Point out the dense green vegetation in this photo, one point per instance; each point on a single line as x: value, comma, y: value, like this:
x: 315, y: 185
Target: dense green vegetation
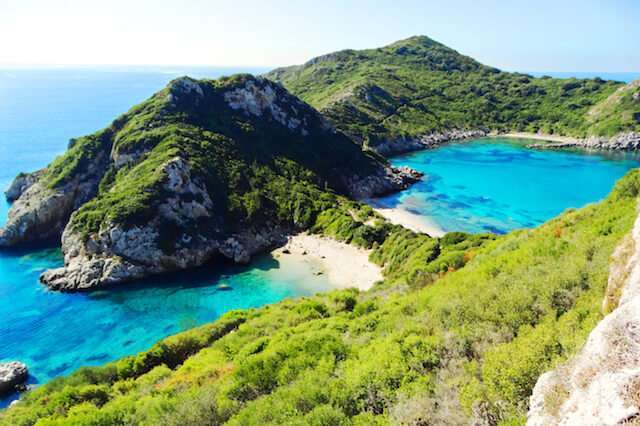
x: 256, y: 171
x: 417, y: 86
x: 461, y: 327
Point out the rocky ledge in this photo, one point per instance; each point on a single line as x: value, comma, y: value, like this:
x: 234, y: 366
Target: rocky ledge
x: 13, y: 375
x: 629, y: 141
x: 431, y: 140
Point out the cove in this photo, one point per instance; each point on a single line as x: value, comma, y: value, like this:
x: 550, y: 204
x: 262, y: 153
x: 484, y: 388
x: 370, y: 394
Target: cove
x: 56, y: 333
x: 498, y: 184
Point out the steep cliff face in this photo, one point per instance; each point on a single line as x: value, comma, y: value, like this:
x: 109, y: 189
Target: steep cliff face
x: 203, y: 168
x: 601, y: 385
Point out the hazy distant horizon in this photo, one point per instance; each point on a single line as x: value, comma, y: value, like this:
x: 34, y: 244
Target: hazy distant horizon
x: 200, y: 70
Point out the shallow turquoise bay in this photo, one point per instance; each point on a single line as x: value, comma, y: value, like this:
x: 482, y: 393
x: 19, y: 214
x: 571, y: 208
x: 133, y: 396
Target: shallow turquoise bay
x: 497, y: 184
x: 475, y: 186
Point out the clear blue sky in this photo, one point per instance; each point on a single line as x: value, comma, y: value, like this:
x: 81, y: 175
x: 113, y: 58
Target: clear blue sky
x: 533, y: 35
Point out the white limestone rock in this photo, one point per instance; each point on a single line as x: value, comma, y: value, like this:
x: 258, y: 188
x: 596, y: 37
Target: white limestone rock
x: 600, y: 385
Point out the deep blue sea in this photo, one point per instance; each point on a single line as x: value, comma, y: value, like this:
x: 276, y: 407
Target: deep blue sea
x: 497, y: 184
x: 473, y: 186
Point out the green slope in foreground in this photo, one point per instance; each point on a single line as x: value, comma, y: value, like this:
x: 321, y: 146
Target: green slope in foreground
x: 418, y: 86
x: 437, y: 342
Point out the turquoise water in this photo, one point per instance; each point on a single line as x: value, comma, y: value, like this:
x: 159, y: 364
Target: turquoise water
x: 497, y: 184
x: 56, y: 333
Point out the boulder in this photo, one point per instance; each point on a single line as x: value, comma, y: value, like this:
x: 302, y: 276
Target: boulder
x: 13, y: 375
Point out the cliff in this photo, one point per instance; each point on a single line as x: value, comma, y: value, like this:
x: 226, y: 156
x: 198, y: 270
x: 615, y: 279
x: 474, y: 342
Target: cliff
x: 203, y: 168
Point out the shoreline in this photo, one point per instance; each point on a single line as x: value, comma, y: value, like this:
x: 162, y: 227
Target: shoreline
x: 411, y: 221
x: 345, y: 265
x: 538, y: 137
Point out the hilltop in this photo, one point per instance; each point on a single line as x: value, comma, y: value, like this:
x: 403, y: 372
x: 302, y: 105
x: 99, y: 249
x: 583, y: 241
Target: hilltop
x: 397, y: 97
x: 203, y: 168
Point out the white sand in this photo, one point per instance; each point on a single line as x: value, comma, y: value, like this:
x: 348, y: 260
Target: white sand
x: 411, y: 221
x: 539, y: 137
x: 345, y: 265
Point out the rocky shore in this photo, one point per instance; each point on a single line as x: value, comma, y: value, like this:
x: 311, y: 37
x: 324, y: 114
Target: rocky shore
x: 629, y: 141
x: 13, y: 375
x: 431, y: 140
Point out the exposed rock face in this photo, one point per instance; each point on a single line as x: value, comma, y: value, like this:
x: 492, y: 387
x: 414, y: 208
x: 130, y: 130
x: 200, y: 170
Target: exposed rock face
x: 636, y: 96
x: 20, y: 184
x: 260, y: 96
x: 432, y: 140
x: 12, y: 377
x: 40, y: 213
x: 389, y: 180
x: 601, y: 385
x: 629, y: 141
x: 117, y: 255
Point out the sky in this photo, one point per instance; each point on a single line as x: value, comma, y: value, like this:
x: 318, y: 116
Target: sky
x: 532, y: 35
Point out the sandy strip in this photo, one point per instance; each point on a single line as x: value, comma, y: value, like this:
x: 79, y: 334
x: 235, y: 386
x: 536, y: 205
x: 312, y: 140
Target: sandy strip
x: 411, y: 221
x: 539, y: 137
x: 345, y: 265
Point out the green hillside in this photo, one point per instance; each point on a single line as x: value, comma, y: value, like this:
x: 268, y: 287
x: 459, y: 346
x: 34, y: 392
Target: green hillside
x: 417, y: 86
x: 437, y: 342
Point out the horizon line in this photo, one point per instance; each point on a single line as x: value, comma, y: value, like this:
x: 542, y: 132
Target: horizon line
x: 244, y: 66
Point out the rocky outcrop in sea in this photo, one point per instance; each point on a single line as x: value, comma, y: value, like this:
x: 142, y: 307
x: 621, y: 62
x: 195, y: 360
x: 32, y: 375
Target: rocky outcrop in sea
x: 20, y: 184
x: 432, y: 140
x: 13, y: 375
x: 39, y: 211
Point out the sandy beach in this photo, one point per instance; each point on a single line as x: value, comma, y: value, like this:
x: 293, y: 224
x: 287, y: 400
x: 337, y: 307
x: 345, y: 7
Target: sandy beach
x: 345, y: 265
x: 539, y: 137
x: 410, y: 221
